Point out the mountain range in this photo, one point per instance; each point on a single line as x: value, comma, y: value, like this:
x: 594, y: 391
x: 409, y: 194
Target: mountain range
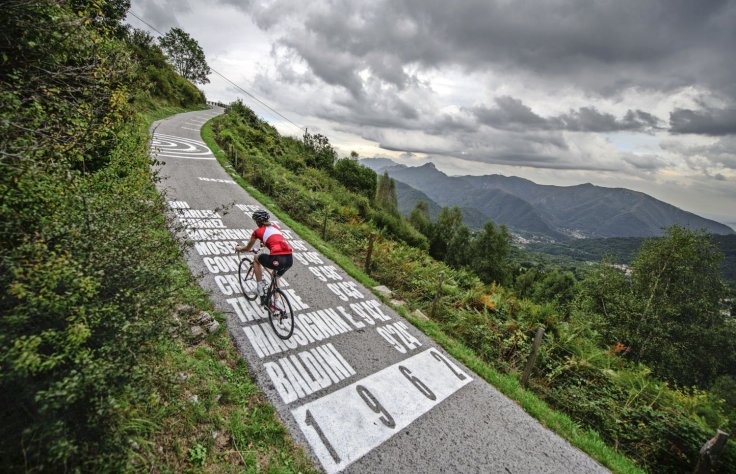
x: 537, y: 211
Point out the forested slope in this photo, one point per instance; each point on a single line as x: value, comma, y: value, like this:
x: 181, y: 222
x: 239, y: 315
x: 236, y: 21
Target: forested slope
x: 597, y: 362
x: 98, y: 372
x: 623, y: 250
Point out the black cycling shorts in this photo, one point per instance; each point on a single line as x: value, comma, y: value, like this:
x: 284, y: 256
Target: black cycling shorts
x: 279, y: 263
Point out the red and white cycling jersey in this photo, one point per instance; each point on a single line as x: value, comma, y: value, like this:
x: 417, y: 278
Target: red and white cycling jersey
x: 272, y: 238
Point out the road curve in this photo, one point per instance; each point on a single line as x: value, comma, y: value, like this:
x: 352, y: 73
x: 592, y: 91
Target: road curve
x: 357, y: 385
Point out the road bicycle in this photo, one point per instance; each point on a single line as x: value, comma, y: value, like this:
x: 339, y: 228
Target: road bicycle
x: 274, y: 300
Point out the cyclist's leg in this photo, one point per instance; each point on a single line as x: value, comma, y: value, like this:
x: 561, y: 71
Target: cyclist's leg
x: 257, y: 269
x: 265, y: 261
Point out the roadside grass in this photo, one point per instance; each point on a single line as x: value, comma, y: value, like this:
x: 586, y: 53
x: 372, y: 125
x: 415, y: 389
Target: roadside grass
x: 204, y: 412
x: 588, y: 441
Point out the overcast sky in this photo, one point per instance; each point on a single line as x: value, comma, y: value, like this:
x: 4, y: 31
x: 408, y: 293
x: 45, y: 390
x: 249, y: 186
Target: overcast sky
x: 620, y: 93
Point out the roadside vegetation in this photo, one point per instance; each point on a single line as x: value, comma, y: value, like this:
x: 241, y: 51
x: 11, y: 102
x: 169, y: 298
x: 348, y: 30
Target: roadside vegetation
x: 576, y: 255
x: 633, y: 368
x: 99, y: 368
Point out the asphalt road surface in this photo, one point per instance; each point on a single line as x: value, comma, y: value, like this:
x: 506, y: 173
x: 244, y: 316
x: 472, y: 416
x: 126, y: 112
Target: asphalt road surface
x: 357, y: 385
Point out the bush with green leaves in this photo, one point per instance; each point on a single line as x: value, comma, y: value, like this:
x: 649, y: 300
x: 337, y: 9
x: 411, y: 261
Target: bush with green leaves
x: 355, y: 177
x: 668, y: 312
x: 84, y: 249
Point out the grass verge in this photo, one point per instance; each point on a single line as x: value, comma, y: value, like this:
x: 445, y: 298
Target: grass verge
x: 588, y: 441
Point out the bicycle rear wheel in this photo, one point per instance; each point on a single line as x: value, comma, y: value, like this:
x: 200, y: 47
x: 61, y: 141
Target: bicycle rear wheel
x: 280, y: 314
x: 247, y: 279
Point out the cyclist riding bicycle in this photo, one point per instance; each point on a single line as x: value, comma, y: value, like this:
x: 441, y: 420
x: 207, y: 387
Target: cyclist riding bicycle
x: 279, y: 258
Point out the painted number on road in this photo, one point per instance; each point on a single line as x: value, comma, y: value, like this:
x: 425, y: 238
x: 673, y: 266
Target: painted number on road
x: 347, y: 424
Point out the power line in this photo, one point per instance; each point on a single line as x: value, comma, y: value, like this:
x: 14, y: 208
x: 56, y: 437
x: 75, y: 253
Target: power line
x: 258, y: 100
x: 226, y: 78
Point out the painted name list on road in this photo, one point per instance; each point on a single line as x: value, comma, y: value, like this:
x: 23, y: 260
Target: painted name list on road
x: 346, y: 424
x: 318, y: 365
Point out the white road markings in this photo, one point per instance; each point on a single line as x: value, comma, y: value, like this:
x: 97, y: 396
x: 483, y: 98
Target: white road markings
x: 169, y: 146
x: 298, y: 376
x: 216, y: 180
x: 345, y: 425
x: 180, y: 139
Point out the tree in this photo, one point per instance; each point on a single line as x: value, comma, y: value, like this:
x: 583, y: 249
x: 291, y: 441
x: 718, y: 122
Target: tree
x: 555, y: 286
x: 355, y: 176
x: 459, y: 249
x: 526, y: 282
x: 448, y: 223
x: 185, y: 55
x: 491, y: 248
x: 419, y: 218
x: 678, y: 281
x: 386, y: 195
x: 668, y: 314
x: 318, y: 150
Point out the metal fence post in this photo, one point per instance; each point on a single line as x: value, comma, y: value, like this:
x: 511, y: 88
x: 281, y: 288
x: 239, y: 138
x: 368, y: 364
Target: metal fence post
x: 710, y: 451
x: 437, y: 295
x: 369, y: 254
x: 324, y: 224
x: 532, y: 357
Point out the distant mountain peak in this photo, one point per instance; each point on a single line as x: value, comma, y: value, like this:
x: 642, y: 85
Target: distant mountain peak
x: 583, y: 210
x: 379, y: 164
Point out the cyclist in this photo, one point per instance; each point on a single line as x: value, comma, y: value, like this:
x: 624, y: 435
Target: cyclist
x: 279, y: 258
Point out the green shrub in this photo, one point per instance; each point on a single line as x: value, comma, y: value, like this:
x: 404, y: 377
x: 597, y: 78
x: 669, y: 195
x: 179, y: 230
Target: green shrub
x: 84, y: 286
x: 355, y: 177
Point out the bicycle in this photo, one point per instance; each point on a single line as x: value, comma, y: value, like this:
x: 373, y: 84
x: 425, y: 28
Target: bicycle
x: 280, y: 314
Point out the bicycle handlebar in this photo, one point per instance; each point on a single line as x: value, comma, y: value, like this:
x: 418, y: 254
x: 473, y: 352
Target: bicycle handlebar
x: 253, y: 251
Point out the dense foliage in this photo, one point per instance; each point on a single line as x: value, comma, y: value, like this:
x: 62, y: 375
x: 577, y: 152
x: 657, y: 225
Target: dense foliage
x: 585, y: 369
x: 355, y: 177
x: 155, y: 82
x: 484, y: 252
x: 668, y: 313
x: 84, y: 252
x: 621, y: 250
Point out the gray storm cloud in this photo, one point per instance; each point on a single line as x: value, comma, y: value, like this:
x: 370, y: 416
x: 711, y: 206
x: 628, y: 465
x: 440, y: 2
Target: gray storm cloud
x: 602, y: 47
x: 707, y: 121
x: 599, y: 49
x: 561, y: 85
x: 512, y: 114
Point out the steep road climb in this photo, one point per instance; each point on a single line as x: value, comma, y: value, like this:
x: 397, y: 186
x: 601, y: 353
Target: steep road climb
x: 357, y: 385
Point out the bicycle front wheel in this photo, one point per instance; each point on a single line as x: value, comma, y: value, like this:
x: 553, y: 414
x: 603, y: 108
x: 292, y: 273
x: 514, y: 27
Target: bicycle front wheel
x: 247, y: 279
x: 280, y: 314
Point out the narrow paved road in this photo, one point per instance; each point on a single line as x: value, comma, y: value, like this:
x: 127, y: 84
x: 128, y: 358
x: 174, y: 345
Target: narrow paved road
x: 357, y: 385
